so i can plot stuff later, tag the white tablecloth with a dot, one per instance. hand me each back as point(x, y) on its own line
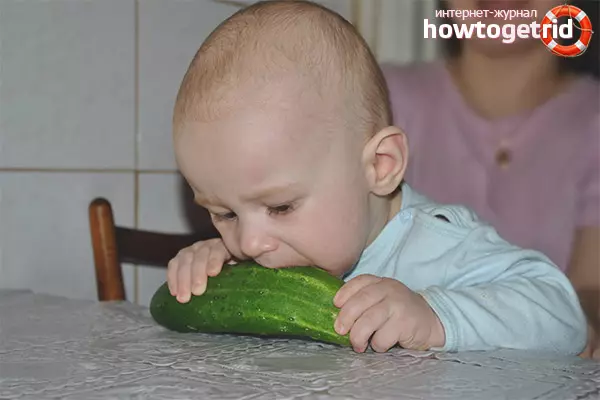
point(52, 347)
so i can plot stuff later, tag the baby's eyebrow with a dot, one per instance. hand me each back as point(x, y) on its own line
point(202, 200)
point(270, 191)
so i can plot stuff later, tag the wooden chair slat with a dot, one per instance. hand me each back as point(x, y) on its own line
point(113, 245)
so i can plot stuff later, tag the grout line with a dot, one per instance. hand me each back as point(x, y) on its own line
point(136, 87)
point(136, 133)
point(136, 217)
point(1, 76)
point(418, 48)
point(240, 4)
point(356, 14)
point(157, 171)
point(91, 170)
point(376, 27)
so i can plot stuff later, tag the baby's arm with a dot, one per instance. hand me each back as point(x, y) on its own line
point(498, 295)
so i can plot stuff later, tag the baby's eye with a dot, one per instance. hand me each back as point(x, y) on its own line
point(230, 216)
point(281, 210)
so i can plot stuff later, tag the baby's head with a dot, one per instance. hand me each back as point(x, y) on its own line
point(282, 127)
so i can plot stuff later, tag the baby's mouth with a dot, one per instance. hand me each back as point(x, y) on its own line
point(274, 265)
point(277, 266)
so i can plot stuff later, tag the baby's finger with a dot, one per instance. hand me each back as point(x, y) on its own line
point(217, 257)
point(353, 287)
point(184, 277)
point(386, 336)
point(214, 264)
point(366, 298)
point(198, 273)
point(368, 323)
point(172, 268)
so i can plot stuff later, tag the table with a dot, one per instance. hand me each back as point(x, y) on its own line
point(53, 347)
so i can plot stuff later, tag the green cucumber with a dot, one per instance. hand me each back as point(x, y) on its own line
point(250, 299)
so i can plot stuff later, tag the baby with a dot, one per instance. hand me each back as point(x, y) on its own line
point(282, 127)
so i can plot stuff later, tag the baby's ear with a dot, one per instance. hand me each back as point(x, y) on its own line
point(385, 157)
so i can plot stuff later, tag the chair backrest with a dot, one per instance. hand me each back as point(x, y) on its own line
point(114, 244)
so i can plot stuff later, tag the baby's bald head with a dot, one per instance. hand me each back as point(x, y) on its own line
point(274, 42)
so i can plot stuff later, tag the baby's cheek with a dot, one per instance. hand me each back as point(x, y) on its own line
point(231, 243)
point(340, 237)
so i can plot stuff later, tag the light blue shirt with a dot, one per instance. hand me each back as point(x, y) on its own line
point(487, 293)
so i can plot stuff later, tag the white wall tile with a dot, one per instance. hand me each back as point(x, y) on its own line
point(170, 33)
point(165, 205)
point(67, 84)
point(45, 242)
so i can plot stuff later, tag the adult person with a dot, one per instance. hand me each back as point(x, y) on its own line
point(512, 131)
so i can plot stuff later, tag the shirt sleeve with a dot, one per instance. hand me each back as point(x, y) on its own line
point(496, 295)
point(588, 205)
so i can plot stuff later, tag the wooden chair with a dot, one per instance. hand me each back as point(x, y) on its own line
point(113, 245)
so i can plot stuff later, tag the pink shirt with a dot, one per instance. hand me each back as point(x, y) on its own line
point(538, 192)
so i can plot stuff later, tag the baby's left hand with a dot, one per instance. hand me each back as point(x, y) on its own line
point(390, 310)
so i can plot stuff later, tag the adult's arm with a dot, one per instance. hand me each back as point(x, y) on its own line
point(584, 273)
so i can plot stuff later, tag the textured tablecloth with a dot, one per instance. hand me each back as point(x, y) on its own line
point(52, 347)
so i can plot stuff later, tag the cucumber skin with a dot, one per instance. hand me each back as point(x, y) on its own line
point(250, 299)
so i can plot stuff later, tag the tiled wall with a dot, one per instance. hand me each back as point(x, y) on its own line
point(86, 94)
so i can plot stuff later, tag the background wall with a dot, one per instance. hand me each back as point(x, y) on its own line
point(86, 94)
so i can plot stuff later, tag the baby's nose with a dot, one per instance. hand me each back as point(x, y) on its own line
point(255, 244)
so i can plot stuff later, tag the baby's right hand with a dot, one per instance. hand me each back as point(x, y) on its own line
point(189, 270)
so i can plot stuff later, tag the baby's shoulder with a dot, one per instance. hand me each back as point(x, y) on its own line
point(457, 215)
point(436, 233)
point(451, 234)
point(447, 225)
